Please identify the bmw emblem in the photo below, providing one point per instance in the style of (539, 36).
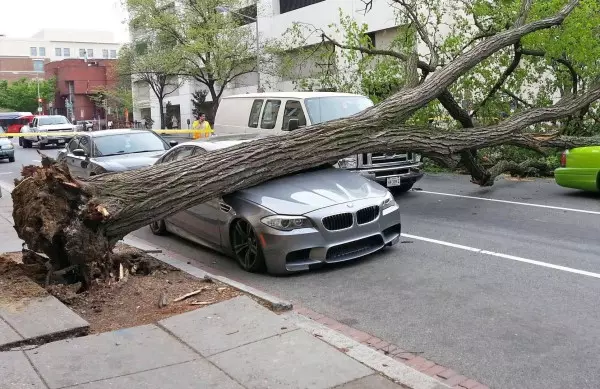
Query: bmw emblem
(350, 205)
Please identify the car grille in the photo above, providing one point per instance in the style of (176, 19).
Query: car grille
(367, 215)
(386, 159)
(355, 248)
(338, 222)
(70, 129)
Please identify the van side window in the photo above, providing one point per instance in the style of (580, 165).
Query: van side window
(269, 116)
(254, 113)
(293, 110)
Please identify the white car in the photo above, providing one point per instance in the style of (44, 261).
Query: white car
(51, 124)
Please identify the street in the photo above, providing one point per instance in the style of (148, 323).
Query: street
(498, 283)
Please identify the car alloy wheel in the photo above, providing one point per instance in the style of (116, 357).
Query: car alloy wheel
(246, 249)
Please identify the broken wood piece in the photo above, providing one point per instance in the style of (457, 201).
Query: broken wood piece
(152, 251)
(183, 297)
(201, 302)
(162, 301)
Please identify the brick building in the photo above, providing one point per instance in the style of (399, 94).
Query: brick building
(76, 81)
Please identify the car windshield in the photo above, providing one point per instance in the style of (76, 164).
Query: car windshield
(323, 109)
(51, 120)
(140, 142)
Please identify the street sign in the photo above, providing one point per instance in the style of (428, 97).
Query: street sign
(40, 109)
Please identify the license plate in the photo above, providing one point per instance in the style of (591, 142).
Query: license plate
(61, 141)
(393, 181)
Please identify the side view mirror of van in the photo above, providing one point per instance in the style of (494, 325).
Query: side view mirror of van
(293, 124)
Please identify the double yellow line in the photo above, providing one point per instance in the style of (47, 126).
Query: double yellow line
(202, 133)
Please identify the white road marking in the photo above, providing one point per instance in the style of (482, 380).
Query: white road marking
(511, 202)
(6, 173)
(505, 256)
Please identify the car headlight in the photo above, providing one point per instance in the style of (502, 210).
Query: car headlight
(8, 146)
(286, 223)
(389, 201)
(417, 157)
(348, 162)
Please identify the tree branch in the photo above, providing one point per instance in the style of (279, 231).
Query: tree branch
(507, 72)
(562, 61)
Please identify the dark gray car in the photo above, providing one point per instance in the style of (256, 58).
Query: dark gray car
(106, 151)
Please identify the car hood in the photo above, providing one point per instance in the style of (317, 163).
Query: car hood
(305, 192)
(117, 163)
(57, 127)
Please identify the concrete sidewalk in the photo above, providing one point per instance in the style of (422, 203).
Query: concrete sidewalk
(9, 240)
(233, 344)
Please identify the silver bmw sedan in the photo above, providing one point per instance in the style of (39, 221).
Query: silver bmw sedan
(291, 223)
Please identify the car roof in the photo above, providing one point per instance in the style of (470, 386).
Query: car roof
(222, 141)
(292, 95)
(116, 131)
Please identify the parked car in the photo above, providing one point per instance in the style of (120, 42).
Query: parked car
(279, 112)
(49, 124)
(580, 169)
(7, 150)
(106, 151)
(288, 224)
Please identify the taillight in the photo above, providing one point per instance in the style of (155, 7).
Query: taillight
(563, 159)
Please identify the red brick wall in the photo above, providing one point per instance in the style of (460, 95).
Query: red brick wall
(17, 64)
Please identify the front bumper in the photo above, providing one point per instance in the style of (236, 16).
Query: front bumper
(307, 248)
(408, 174)
(54, 139)
(7, 153)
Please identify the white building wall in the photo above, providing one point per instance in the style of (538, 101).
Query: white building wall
(46, 43)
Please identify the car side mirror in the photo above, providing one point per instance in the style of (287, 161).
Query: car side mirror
(79, 152)
(293, 124)
(173, 143)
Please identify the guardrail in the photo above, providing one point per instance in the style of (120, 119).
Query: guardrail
(197, 133)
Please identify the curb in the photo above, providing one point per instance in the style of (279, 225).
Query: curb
(383, 364)
(182, 263)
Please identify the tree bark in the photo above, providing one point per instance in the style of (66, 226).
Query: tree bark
(78, 222)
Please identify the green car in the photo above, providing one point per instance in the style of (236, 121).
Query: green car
(580, 169)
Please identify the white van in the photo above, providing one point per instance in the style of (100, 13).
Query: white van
(279, 112)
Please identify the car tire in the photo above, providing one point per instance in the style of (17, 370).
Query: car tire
(403, 188)
(158, 228)
(11, 159)
(26, 144)
(246, 248)
(42, 146)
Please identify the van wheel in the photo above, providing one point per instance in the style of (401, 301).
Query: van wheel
(42, 146)
(26, 144)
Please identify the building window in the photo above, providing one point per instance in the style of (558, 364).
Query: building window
(90, 53)
(290, 5)
(104, 53)
(38, 65)
(33, 51)
(82, 53)
(42, 51)
(58, 52)
(66, 52)
(113, 54)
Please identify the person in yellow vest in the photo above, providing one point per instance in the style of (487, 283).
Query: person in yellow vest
(202, 126)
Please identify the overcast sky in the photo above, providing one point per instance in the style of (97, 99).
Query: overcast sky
(22, 18)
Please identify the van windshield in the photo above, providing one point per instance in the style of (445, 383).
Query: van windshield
(324, 109)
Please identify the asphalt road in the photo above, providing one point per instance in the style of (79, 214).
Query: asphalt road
(500, 283)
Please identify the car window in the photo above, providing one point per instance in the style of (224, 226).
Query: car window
(184, 152)
(199, 150)
(73, 144)
(51, 120)
(269, 116)
(84, 143)
(128, 143)
(293, 110)
(255, 113)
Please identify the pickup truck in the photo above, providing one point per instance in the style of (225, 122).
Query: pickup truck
(50, 125)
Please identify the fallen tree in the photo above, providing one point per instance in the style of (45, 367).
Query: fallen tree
(77, 223)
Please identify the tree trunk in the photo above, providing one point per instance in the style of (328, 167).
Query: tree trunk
(161, 111)
(79, 222)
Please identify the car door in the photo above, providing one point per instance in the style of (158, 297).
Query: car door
(73, 161)
(293, 110)
(205, 218)
(270, 116)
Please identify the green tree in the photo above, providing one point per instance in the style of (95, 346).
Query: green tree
(22, 95)
(214, 50)
(152, 62)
